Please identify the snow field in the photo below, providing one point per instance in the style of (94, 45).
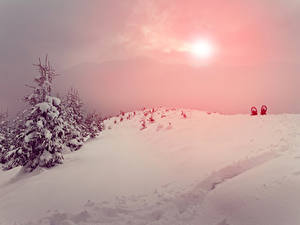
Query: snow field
(204, 169)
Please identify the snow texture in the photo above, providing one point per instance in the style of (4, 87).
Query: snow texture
(195, 170)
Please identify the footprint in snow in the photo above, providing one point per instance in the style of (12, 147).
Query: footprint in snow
(297, 173)
(223, 222)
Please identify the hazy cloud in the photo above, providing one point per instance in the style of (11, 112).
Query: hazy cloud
(249, 32)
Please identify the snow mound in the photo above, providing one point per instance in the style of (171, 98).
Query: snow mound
(163, 166)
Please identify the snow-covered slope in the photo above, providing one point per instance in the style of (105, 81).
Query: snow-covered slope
(205, 169)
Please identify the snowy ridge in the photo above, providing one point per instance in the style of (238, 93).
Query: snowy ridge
(175, 169)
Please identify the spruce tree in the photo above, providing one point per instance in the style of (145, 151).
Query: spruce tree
(40, 138)
(94, 124)
(74, 116)
(3, 135)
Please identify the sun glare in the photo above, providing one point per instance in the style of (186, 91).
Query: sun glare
(202, 49)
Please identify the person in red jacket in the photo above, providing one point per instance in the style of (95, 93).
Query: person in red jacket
(263, 110)
(253, 111)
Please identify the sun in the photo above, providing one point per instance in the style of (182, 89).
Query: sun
(202, 49)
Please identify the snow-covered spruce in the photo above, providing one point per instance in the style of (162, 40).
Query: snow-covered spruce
(12, 131)
(82, 125)
(73, 114)
(38, 135)
(2, 146)
(40, 140)
(93, 124)
(3, 135)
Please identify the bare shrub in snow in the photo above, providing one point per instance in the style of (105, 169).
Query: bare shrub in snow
(151, 119)
(143, 124)
(183, 114)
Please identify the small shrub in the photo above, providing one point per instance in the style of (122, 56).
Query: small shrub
(143, 124)
(151, 119)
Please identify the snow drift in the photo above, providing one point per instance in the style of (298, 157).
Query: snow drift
(205, 169)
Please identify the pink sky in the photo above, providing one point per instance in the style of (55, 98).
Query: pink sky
(256, 60)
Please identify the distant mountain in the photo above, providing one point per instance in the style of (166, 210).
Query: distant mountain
(133, 83)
